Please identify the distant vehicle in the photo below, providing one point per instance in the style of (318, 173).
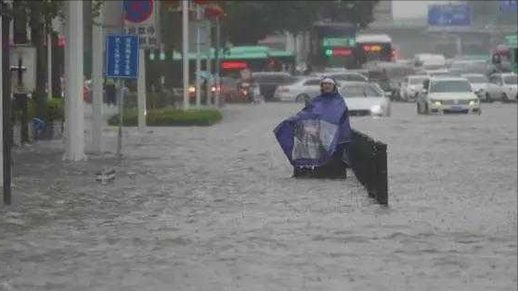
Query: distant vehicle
(349, 76)
(502, 87)
(364, 99)
(447, 95)
(429, 61)
(374, 47)
(332, 44)
(441, 73)
(300, 90)
(388, 76)
(469, 67)
(411, 86)
(227, 89)
(269, 81)
(479, 84)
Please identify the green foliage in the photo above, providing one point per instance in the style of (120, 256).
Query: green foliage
(170, 117)
(54, 111)
(246, 22)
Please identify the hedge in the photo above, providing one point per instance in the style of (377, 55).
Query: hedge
(55, 110)
(170, 117)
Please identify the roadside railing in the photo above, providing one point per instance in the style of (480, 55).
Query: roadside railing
(369, 163)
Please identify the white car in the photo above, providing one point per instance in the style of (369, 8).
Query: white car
(502, 87)
(479, 84)
(301, 90)
(411, 86)
(364, 99)
(447, 95)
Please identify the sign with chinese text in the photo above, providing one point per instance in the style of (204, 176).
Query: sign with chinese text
(140, 19)
(122, 53)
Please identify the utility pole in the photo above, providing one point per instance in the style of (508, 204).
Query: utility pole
(49, 62)
(218, 36)
(185, 52)
(198, 61)
(74, 114)
(97, 82)
(6, 104)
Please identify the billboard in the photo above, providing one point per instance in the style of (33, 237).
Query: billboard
(449, 15)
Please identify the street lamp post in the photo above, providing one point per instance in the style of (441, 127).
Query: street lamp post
(185, 52)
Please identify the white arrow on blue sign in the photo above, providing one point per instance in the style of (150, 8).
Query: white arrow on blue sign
(122, 56)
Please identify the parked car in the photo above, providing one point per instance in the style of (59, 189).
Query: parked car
(447, 95)
(411, 86)
(502, 87)
(348, 76)
(300, 90)
(364, 99)
(479, 84)
(269, 81)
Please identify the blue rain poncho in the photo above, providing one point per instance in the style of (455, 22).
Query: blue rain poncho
(316, 133)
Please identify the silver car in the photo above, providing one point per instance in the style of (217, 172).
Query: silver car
(301, 90)
(479, 84)
(364, 98)
(502, 87)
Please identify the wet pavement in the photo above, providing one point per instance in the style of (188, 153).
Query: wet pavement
(216, 209)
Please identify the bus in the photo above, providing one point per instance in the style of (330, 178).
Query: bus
(332, 45)
(374, 47)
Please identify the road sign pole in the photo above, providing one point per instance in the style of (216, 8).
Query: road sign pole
(120, 102)
(141, 90)
(185, 52)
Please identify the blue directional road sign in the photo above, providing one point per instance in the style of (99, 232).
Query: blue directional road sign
(122, 54)
(449, 15)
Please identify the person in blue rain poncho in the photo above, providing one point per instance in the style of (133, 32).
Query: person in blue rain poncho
(314, 140)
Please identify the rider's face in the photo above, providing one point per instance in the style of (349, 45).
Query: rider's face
(327, 87)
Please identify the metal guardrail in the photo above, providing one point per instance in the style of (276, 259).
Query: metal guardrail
(369, 163)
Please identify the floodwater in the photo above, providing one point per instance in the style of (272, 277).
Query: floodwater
(216, 209)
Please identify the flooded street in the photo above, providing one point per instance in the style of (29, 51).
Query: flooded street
(216, 209)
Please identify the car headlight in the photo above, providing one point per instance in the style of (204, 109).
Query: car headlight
(473, 102)
(435, 102)
(376, 110)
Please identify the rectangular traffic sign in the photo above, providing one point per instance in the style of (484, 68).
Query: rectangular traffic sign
(510, 6)
(122, 53)
(449, 15)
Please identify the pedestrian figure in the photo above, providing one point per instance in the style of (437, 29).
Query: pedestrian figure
(316, 140)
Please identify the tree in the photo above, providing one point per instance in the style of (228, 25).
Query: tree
(39, 16)
(246, 22)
